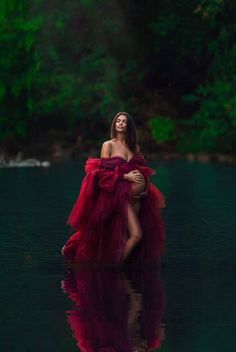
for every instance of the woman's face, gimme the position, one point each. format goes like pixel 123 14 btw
pixel 121 123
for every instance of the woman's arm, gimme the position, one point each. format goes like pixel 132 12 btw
pixel 106 150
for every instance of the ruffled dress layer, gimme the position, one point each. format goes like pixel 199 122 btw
pixel 99 216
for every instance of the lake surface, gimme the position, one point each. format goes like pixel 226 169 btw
pixel 187 307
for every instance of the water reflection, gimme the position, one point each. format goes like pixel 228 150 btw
pixel 115 311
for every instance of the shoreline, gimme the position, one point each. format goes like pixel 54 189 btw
pixel 57 146
pixel 75 153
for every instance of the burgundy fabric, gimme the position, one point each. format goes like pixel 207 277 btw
pixel 112 311
pixel 99 215
pixel 99 319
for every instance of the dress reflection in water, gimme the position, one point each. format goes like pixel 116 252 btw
pixel 118 211
pixel 115 313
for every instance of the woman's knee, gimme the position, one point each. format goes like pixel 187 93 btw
pixel 137 235
pixel 134 228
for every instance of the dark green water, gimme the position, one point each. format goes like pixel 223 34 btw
pixel 190 307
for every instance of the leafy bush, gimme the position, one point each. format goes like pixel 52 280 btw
pixel 214 124
pixel 163 129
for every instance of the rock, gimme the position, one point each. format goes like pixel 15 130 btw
pixel 45 163
pixel 191 156
pixel 232 159
pixel 19 156
pixel 203 157
pixel 222 158
pixel 170 156
pixel 25 163
pixel 214 157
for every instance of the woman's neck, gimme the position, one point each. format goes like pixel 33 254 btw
pixel 121 137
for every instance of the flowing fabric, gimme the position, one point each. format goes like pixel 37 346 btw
pixel 99 215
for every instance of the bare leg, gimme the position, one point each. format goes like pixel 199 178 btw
pixel 136 206
pixel 137 189
pixel 134 229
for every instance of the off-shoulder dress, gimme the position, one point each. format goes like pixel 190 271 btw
pixel 99 215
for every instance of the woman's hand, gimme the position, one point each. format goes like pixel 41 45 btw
pixel 134 176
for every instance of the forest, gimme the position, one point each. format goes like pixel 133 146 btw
pixel 68 66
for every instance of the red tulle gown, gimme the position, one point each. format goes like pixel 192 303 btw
pixel 99 215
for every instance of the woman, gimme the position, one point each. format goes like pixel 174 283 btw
pixel 118 210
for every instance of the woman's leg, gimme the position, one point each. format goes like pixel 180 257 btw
pixel 134 229
pixel 136 205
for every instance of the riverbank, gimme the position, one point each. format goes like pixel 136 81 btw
pixel 55 146
pixel 73 153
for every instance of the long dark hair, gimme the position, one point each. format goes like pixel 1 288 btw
pixel 131 133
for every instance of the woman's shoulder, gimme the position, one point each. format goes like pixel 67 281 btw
pixel 109 142
pixel 107 145
pixel 106 149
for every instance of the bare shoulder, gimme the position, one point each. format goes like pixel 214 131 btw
pixel 107 143
pixel 106 149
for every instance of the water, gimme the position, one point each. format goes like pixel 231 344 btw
pixel 188 307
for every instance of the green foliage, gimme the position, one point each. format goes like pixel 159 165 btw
pixel 214 122
pixel 163 129
pixel 18 67
pixel 210 8
pixel 74 64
